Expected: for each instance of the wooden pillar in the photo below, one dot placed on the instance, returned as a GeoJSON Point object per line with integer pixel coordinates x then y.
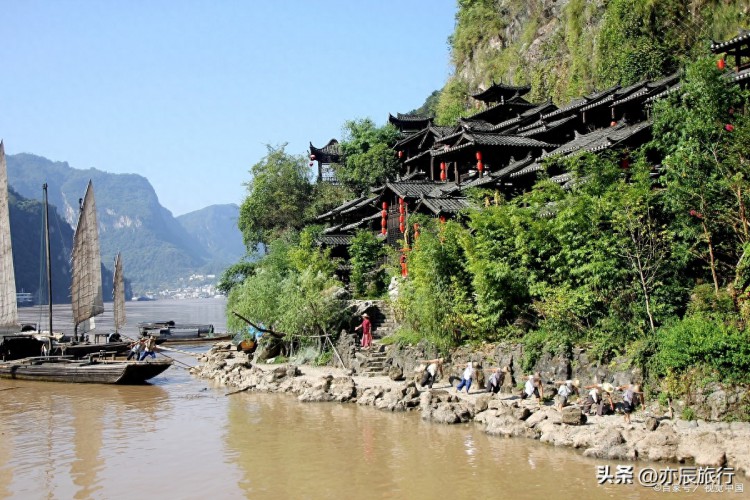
{"type": "Point", "coordinates": [432, 168]}
{"type": "Point", "coordinates": [455, 171]}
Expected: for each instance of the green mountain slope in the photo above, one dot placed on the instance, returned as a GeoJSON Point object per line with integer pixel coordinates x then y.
{"type": "Point", "coordinates": [156, 249]}
{"type": "Point", "coordinates": [215, 229]}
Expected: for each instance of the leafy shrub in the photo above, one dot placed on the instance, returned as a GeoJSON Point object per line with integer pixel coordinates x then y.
{"type": "Point", "coordinates": [700, 340]}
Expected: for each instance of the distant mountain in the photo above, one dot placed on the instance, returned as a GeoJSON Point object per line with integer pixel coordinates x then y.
{"type": "Point", "coordinates": [29, 252]}
{"type": "Point", "coordinates": [215, 229]}
{"type": "Point", "coordinates": [157, 250]}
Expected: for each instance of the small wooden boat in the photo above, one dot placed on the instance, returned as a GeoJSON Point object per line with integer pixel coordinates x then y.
{"type": "Point", "coordinates": [193, 340]}
{"type": "Point", "coordinates": [172, 330]}
{"type": "Point", "coordinates": [91, 371]}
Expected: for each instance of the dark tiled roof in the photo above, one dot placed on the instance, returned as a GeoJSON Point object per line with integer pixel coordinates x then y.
{"type": "Point", "coordinates": [414, 158]}
{"type": "Point", "coordinates": [600, 139]}
{"type": "Point", "coordinates": [576, 104]}
{"type": "Point", "coordinates": [411, 189]}
{"type": "Point", "coordinates": [415, 137]}
{"type": "Point", "coordinates": [409, 122]}
{"type": "Point", "coordinates": [332, 229]}
{"type": "Point", "coordinates": [341, 207]}
{"type": "Point", "coordinates": [514, 103]}
{"type": "Point", "coordinates": [361, 222]}
{"type": "Point", "coordinates": [416, 175]}
{"type": "Point", "coordinates": [444, 205]}
{"type": "Point", "coordinates": [546, 107]}
{"type": "Point", "coordinates": [542, 126]}
{"type": "Point", "coordinates": [651, 88]}
{"type": "Point", "coordinates": [534, 167]}
{"type": "Point", "coordinates": [504, 172]}
{"type": "Point", "coordinates": [330, 153]}
{"type": "Point", "coordinates": [475, 139]}
{"type": "Point", "coordinates": [475, 125]}
{"type": "Point", "coordinates": [333, 240]}
{"type": "Point", "coordinates": [363, 203]}
{"type": "Point", "coordinates": [499, 91]}
{"type": "Point", "coordinates": [742, 38]}
{"type": "Point", "coordinates": [443, 189]}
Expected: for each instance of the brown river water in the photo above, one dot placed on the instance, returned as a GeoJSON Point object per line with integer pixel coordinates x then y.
{"type": "Point", "coordinates": [181, 437]}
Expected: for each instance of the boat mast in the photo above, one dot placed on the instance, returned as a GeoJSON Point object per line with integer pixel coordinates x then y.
{"type": "Point", "coordinates": [49, 259]}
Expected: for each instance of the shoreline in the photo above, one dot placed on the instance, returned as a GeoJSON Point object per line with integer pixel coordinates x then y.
{"type": "Point", "coordinates": [658, 439]}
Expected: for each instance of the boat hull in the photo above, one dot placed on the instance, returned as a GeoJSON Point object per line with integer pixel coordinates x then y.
{"type": "Point", "coordinates": [82, 372]}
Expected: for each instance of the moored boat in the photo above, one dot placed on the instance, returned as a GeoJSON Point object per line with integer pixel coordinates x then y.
{"type": "Point", "coordinates": [85, 371]}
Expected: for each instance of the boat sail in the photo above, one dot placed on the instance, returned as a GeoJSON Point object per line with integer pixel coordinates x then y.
{"type": "Point", "coordinates": [8, 306]}
{"type": "Point", "coordinates": [86, 286]}
{"type": "Point", "coordinates": [118, 294]}
{"type": "Point", "coordinates": [87, 303]}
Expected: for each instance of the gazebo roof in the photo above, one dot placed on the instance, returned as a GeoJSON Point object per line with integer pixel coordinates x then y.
{"type": "Point", "coordinates": [330, 153]}
{"type": "Point", "coordinates": [407, 122]}
{"type": "Point", "coordinates": [515, 104]}
{"type": "Point", "coordinates": [499, 91]}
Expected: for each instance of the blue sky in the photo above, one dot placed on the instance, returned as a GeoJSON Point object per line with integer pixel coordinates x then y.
{"type": "Point", "coordinates": [188, 93]}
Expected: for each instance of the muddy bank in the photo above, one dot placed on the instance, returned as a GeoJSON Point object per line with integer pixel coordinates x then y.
{"type": "Point", "coordinates": [648, 437]}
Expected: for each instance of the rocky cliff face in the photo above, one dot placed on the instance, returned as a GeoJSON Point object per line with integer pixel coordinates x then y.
{"type": "Point", "coordinates": [567, 48]}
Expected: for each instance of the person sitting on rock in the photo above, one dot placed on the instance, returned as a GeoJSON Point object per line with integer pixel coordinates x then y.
{"type": "Point", "coordinates": [567, 388]}
{"type": "Point", "coordinates": [495, 382]}
{"type": "Point", "coordinates": [630, 399]}
{"type": "Point", "coordinates": [597, 395]}
{"type": "Point", "coordinates": [466, 378]}
{"type": "Point", "coordinates": [533, 387]}
{"type": "Point", "coordinates": [430, 375]}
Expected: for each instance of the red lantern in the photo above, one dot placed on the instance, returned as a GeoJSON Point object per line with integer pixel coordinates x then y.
{"type": "Point", "coordinates": [401, 209]}
{"type": "Point", "coordinates": [480, 167]}
{"type": "Point", "coordinates": [385, 205]}
{"type": "Point", "coordinates": [401, 227]}
{"type": "Point", "coordinates": [400, 201]}
{"type": "Point", "coordinates": [401, 219]}
{"type": "Point", "coordinates": [729, 127]}
{"type": "Point", "coordinates": [479, 156]}
{"type": "Point", "coordinates": [400, 154]}
{"type": "Point", "coordinates": [612, 123]}
{"type": "Point", "coordinates": [384, 213]}
{"type": "Point", "coordinates": [312, 157]}
{"type": "Point", "coordinates": [721, 64]}
{"type": "Point", "coordinates": [443, 175]}
{"type": "Point", "coordinates": [442, 219]}
{"type": "Point", "coordinates": [383, 223]}
{"type": "Point", "coordinates": [384, 231]}
{"type": "Point", "coordinates": [416, 231]}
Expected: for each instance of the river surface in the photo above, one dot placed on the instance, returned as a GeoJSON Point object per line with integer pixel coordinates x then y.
{"type": "Point", "coordinates": [181, 437]}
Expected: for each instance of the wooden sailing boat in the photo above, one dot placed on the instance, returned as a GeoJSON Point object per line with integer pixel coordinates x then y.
{"type": "Point", "coordinates": [87, 302]}
{"type": "Point", "coordinates": [8, 306]}
{"type": "Point", "coordinates": [118, 295]}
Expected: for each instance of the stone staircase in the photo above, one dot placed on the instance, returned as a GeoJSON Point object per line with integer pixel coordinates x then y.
{"type": "Point", "coordinates": [381, 316]}
{"type": "Point", "coordinates": [372, 361]}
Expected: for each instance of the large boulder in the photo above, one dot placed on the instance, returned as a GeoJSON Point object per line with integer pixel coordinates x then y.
{"type": "Point", "coordinates": [572, 415]}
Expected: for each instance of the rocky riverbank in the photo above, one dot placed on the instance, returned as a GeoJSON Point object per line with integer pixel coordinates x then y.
{"type": "Point", "coordinates": [648, 437]}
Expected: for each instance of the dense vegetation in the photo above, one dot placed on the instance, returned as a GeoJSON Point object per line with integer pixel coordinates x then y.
{"type": "Point", "coordinates": [567, 49]}
{"type": "Point", "coordinates": [649, 259]}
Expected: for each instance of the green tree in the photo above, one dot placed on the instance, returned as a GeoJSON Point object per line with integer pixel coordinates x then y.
{"type": "Point", "coordinates": [367, 254]}
{"type": "Point", "coordinates": [368, 155]}
{"type": "Point", "coordinates": [277, 197]}
{"type": "Point", "coordinates": [706, 175]}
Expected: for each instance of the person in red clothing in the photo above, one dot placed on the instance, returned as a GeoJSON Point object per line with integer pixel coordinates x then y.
{"type": "Point", "coordinates": [366, 328]}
